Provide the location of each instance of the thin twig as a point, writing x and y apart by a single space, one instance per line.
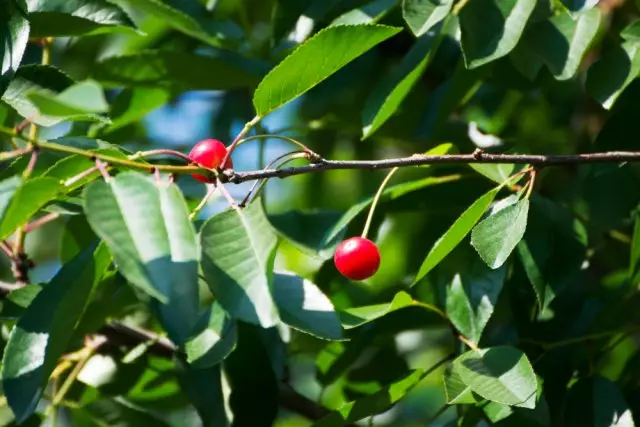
240 135
374 203
32 162
203 202
468 342
160 152
6 248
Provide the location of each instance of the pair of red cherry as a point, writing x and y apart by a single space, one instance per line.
356 258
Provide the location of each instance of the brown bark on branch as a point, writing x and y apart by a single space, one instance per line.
536 160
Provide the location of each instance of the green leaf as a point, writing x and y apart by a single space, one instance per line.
132 104
27 200
17 301
499 374
69 18
250 375
422 15
214 343
177 20
303 306
472 296
118 411
179 71
31 79
79 100
358 316
14 35
307 230
492 28
496 236
238 250
147 229
314 61
597 402
553 250
617 68
389 194
455 390
369 13
373 404
454 235
203 387
562 41
387 96
498 172
43 332
579 5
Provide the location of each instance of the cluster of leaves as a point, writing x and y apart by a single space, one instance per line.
505 292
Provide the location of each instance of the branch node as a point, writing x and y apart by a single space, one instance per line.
478 153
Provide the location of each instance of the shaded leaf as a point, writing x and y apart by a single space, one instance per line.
203 387
358 316
17 301
43 332
177 20
68 18
314 61
496 236
214 343
492 28
81 99
422 15
248 369
596 402
31 79
454 235
499 374
369 13
118 411
132 104
307 230
178 71
147 229
303 306
373 404
553 250
562 41
14 35
472 296
238 249
27 200
455 390
387 96
617 68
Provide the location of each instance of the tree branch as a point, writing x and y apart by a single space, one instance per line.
537 160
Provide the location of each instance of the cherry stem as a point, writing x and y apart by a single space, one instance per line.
41 221
261 183
69 182
532 182
242 133
367 224
202 203
281 137
227 196
102 167
6 248
32 163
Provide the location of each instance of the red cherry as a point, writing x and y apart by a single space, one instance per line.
357 258
209 153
